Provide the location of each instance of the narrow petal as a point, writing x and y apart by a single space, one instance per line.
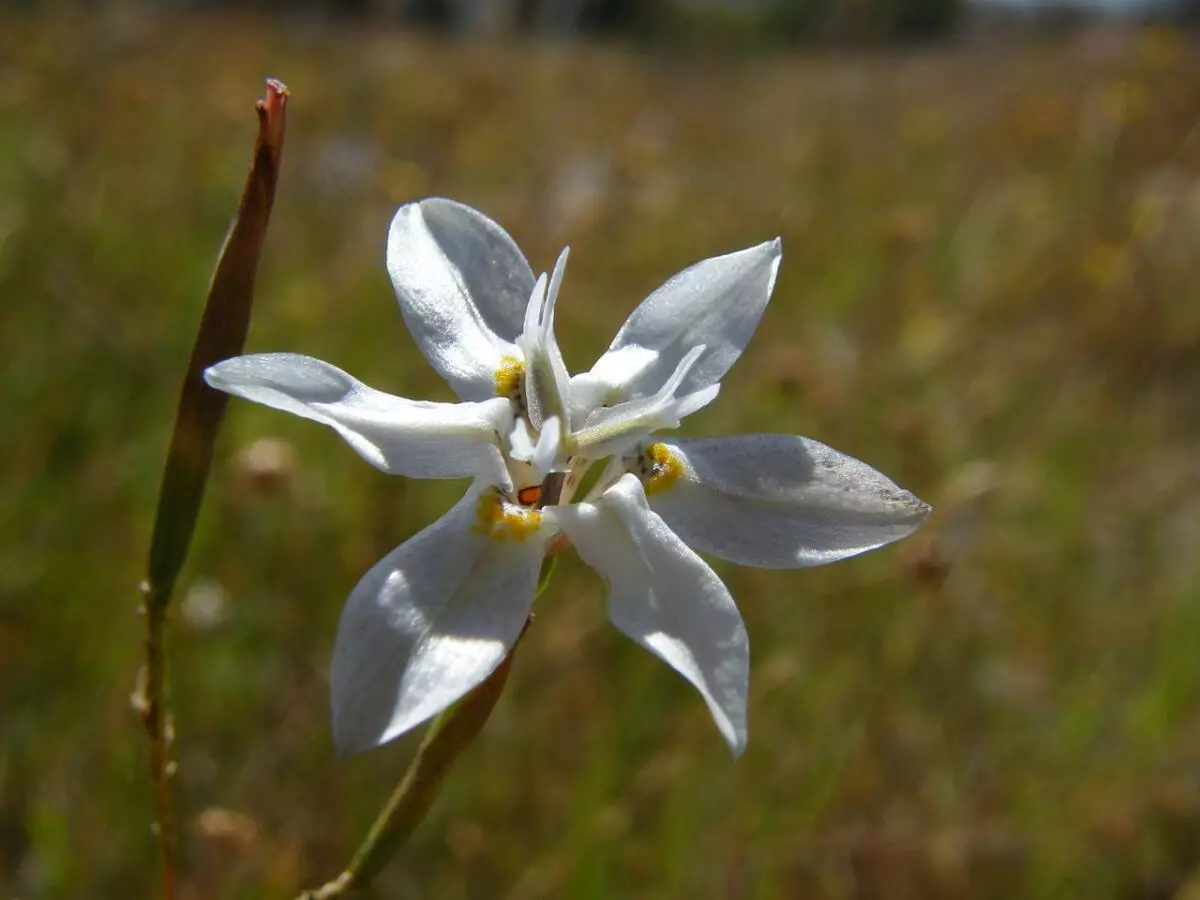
521 445
403 437
546 453
463 285
666 598
717 302
614 429
429 622
547 384
777 501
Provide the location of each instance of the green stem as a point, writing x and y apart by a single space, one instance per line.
148 701
222 333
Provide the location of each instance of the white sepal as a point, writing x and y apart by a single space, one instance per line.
666 598
778 501
463 286
415 438
428 623
717 302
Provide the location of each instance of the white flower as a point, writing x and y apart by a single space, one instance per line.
436 616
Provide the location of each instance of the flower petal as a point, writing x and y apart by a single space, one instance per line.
778 501
428 623
399 436
463 286
547 384
546 452
666 598
717 302
614 429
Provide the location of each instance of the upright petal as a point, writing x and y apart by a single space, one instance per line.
403 437
717 302
666 598
547 385
463 286
776 501
430 621
546 452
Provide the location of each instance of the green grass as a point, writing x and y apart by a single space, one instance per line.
988 291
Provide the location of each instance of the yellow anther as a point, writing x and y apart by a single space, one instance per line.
504 521
487 512
509 376
518 524
665 468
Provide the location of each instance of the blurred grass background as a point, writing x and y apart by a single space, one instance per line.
988 291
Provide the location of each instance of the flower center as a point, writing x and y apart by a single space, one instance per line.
497 518
529 496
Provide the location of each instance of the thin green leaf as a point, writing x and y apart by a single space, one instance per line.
222 334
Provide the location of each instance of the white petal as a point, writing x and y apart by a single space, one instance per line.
463 285
403 437
547 384
520 441
546 453
534 310
614 429
779 501
427 624
717 302
666 598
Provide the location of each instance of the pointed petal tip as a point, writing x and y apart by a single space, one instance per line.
772 250
735 734
355 733
919 508
697 400
221 376
738 747
347 741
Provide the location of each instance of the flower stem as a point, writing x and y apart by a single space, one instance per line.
222 333
150 705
